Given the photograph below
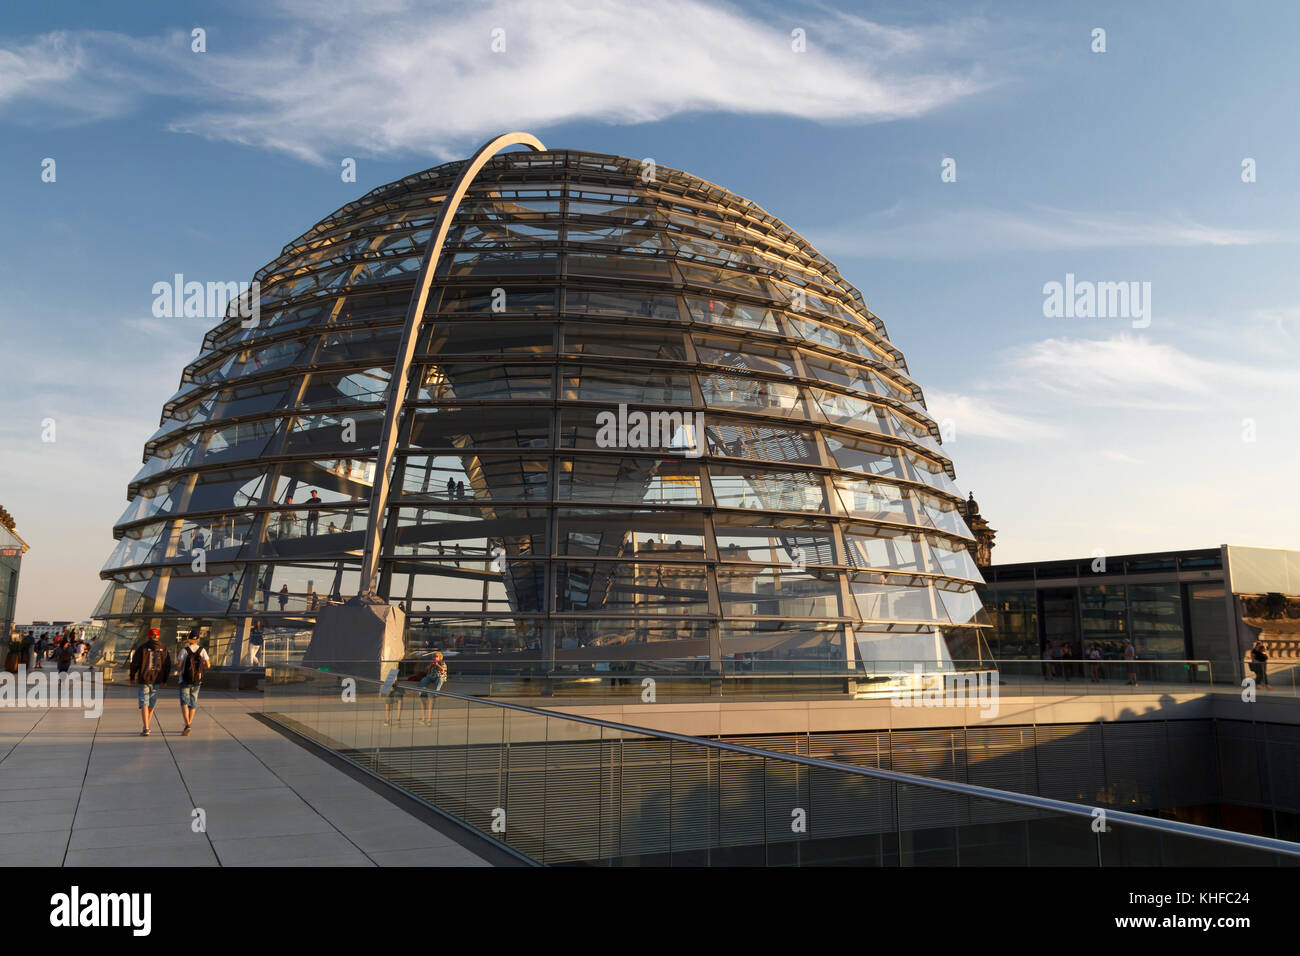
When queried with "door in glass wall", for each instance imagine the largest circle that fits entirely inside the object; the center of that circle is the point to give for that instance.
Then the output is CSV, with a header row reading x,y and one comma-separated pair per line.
x,y
1156,621
1015,613
1104,615
1060,619
1211,636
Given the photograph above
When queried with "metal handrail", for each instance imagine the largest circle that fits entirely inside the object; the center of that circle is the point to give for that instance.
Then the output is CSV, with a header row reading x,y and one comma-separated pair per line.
x,y
1172,827
836,667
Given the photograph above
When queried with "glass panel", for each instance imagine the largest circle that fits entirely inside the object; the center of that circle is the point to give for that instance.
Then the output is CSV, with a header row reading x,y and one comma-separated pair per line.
x,y
778,592
597,638
850,410
751,357
1157,621
886,549
332,389
867,457
518,299
945,514
631,386
633,480
595,264
767,490
630,534
453,428
456,338
954,558
879,500
630,587
763,539
735,314
1016,619
1104,612
472,382
744,393
448,536
602,302
745,642
624,342
761,442
894,602
962,605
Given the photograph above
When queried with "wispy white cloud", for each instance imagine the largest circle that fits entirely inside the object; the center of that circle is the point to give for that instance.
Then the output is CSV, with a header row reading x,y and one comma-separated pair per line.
x,y
67,76
1120,456
970,231
424,77
33,69
981,417
1132,370
1059,387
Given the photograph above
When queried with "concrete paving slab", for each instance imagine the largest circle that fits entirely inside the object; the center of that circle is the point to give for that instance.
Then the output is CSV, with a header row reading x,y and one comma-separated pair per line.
x,y
93,792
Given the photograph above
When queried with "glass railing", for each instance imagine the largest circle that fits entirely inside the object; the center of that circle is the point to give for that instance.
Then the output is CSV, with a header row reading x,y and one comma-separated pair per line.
x,y
560,789
699,678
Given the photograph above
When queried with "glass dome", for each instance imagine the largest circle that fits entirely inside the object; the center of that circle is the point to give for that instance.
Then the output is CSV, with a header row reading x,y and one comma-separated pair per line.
x,y
645,420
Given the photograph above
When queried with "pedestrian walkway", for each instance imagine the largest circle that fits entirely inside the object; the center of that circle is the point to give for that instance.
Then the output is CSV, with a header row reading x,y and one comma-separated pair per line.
x,y
78,791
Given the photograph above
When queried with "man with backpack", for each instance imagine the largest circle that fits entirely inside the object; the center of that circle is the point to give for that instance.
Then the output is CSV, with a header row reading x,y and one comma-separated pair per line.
x,y
66,655
192,664
150,665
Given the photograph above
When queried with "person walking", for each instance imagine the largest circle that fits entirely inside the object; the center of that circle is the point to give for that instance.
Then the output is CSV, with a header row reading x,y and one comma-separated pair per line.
x,y
392,695
151,665
433,678
1130,658
66,654
193,662
1259,663
255,644
284,596
1094,655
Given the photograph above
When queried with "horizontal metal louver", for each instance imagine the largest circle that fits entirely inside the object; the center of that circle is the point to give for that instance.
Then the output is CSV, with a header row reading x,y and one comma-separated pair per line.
x,y
1069,762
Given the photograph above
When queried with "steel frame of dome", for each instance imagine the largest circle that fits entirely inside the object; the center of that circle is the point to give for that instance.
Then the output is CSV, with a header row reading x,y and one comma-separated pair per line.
x,y
819,522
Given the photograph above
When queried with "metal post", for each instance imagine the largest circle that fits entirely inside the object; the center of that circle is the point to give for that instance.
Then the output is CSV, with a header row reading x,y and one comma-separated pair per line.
x,y
398,384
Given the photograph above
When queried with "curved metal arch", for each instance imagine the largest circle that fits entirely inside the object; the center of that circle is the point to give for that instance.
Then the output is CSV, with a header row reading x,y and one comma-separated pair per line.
x,y
399,385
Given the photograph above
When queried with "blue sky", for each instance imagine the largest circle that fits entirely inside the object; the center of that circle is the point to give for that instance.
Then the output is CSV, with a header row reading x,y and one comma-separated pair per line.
x,y
1076,434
